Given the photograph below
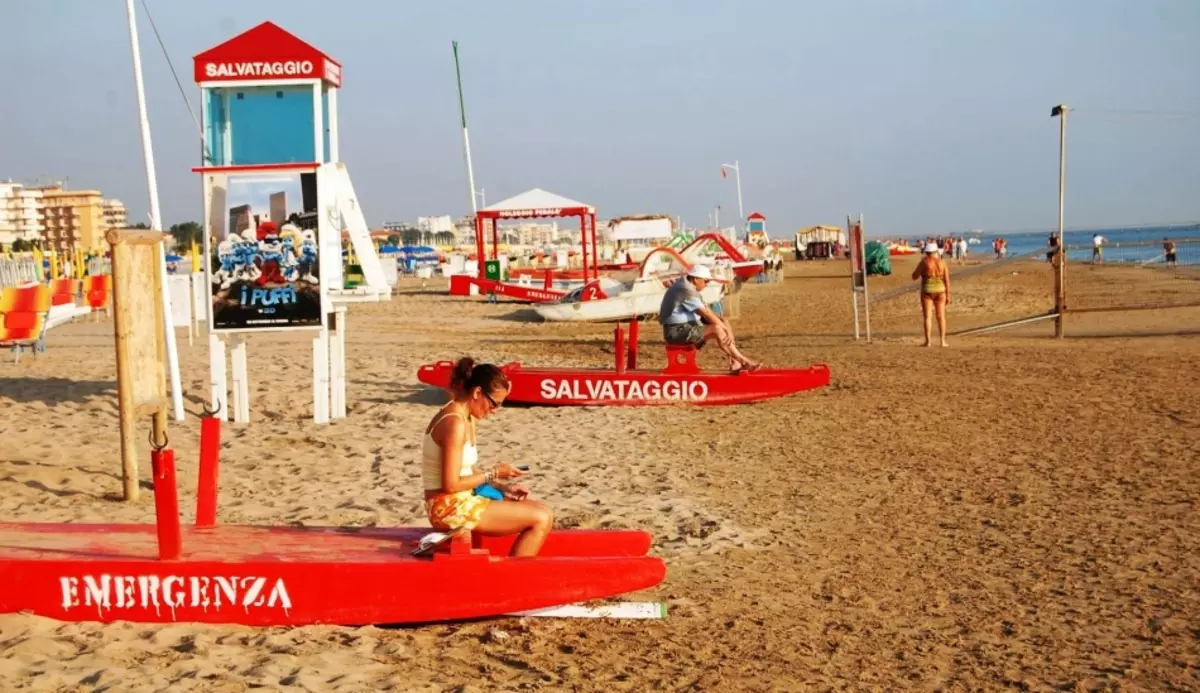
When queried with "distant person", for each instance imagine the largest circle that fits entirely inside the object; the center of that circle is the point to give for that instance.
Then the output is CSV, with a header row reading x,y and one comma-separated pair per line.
x,y
934,275
1097,249
685,318
1169,252
1053,244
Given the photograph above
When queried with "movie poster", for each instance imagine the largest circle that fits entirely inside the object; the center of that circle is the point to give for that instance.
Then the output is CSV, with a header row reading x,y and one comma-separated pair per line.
x,y
265,270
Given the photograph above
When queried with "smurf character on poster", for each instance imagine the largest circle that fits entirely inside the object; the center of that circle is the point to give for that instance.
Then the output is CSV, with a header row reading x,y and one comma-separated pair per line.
x,y
264,276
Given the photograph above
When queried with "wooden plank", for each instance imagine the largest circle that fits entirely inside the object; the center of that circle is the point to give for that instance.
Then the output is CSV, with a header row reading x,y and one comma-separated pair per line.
x,y
140,342
650,610
132,237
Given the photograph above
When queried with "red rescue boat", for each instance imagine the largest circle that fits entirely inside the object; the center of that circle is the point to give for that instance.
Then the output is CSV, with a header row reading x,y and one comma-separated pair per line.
x,y
291,576
682,381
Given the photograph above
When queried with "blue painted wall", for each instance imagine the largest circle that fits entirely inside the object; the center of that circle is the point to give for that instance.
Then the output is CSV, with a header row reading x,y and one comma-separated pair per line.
x,y
270,125
214,117
325,120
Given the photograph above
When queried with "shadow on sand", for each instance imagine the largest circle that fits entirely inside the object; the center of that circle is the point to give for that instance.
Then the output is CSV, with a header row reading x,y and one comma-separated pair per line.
x,y
54,391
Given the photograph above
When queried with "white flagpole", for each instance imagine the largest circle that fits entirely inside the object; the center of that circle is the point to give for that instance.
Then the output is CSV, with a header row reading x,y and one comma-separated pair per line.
x,y
156,215
462,109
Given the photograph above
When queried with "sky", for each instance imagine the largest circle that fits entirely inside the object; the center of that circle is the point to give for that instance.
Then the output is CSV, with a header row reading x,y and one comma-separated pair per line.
x,y
925,116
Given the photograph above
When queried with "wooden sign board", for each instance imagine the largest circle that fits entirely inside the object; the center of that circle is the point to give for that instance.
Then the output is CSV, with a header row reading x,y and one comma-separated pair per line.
x,y
141,341
858,262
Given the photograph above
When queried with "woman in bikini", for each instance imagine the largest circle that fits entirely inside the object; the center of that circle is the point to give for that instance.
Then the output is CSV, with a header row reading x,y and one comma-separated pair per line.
x,y
448,466
935,291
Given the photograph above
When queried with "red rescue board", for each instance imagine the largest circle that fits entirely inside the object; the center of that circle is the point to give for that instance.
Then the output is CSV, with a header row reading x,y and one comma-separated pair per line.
x,y
460,285
276,576
682,381
588,387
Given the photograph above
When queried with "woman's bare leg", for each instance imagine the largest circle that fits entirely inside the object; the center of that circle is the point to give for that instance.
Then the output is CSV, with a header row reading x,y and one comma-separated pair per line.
x,y
531,519
941,318
927,316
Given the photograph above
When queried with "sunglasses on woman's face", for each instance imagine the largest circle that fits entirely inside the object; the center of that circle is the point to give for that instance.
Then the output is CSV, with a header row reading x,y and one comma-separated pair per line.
x,y
495,405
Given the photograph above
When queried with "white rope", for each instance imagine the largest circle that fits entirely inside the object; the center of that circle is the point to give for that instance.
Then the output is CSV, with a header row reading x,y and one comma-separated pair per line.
x,y
178,84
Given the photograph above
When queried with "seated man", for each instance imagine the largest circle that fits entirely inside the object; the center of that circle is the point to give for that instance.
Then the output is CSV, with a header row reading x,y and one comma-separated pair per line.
x,y
687,320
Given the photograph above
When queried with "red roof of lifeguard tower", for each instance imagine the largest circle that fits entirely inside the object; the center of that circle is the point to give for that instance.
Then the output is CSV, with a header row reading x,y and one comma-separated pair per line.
x,y
756,215
265,53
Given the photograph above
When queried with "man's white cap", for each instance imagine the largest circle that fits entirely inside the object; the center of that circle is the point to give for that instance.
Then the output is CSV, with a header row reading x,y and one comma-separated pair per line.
x,y
700,272
931,247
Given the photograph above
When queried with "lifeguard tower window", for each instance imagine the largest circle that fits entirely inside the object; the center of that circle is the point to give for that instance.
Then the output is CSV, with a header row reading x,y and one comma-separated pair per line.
x,y
250,126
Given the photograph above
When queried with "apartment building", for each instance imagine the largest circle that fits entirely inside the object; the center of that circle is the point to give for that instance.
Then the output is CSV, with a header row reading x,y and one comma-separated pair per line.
x,y
115,216
20,213
73,218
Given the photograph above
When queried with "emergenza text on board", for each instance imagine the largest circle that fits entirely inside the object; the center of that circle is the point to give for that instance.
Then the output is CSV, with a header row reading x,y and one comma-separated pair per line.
x,y
102,592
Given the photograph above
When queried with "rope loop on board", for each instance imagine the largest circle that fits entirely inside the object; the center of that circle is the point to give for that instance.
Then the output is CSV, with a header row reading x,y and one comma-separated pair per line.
x,y
210,413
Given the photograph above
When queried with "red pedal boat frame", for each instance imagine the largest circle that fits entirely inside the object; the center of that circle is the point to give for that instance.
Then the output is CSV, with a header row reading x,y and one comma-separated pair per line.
x,y
682,381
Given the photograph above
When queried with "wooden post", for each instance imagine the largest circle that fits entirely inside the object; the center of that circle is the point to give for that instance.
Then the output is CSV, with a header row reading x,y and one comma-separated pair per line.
x,y
1060,269
141,342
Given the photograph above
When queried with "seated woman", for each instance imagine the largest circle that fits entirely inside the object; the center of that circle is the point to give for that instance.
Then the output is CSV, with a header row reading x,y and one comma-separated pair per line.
x,y
449,457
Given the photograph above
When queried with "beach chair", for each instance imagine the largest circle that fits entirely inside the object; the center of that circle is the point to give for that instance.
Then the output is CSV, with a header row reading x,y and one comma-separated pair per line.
x,y
23,313
63,308
97,290
64,291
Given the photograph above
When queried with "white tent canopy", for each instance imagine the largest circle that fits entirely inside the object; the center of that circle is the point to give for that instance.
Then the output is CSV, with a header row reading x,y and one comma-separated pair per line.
x,y
642,229
537,199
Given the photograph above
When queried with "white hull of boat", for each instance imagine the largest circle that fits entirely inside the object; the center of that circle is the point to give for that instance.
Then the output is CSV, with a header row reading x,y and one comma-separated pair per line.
x,y
643,300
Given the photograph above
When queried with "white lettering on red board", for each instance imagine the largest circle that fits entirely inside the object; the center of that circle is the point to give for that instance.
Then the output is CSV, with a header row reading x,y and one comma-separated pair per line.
x,y
333,72
524,291
543,212
278,68
620,390
173,592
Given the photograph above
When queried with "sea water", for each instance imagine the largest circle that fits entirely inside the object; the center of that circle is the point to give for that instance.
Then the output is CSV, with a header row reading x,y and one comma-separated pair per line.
x,y
1128,244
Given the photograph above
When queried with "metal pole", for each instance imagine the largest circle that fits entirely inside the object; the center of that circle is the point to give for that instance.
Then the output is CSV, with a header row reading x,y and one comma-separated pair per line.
x,y
854,298
156,215
1060,290
862,253
462,109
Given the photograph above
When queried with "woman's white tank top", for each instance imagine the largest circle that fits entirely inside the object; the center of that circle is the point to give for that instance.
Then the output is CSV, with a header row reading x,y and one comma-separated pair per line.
x,y
431,457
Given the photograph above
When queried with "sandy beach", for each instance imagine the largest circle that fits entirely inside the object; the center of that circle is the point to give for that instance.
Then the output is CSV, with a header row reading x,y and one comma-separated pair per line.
x,y
1011,512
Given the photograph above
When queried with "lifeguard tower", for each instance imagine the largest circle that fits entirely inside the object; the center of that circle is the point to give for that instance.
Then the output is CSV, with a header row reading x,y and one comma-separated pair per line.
x,y
277,202
756,229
